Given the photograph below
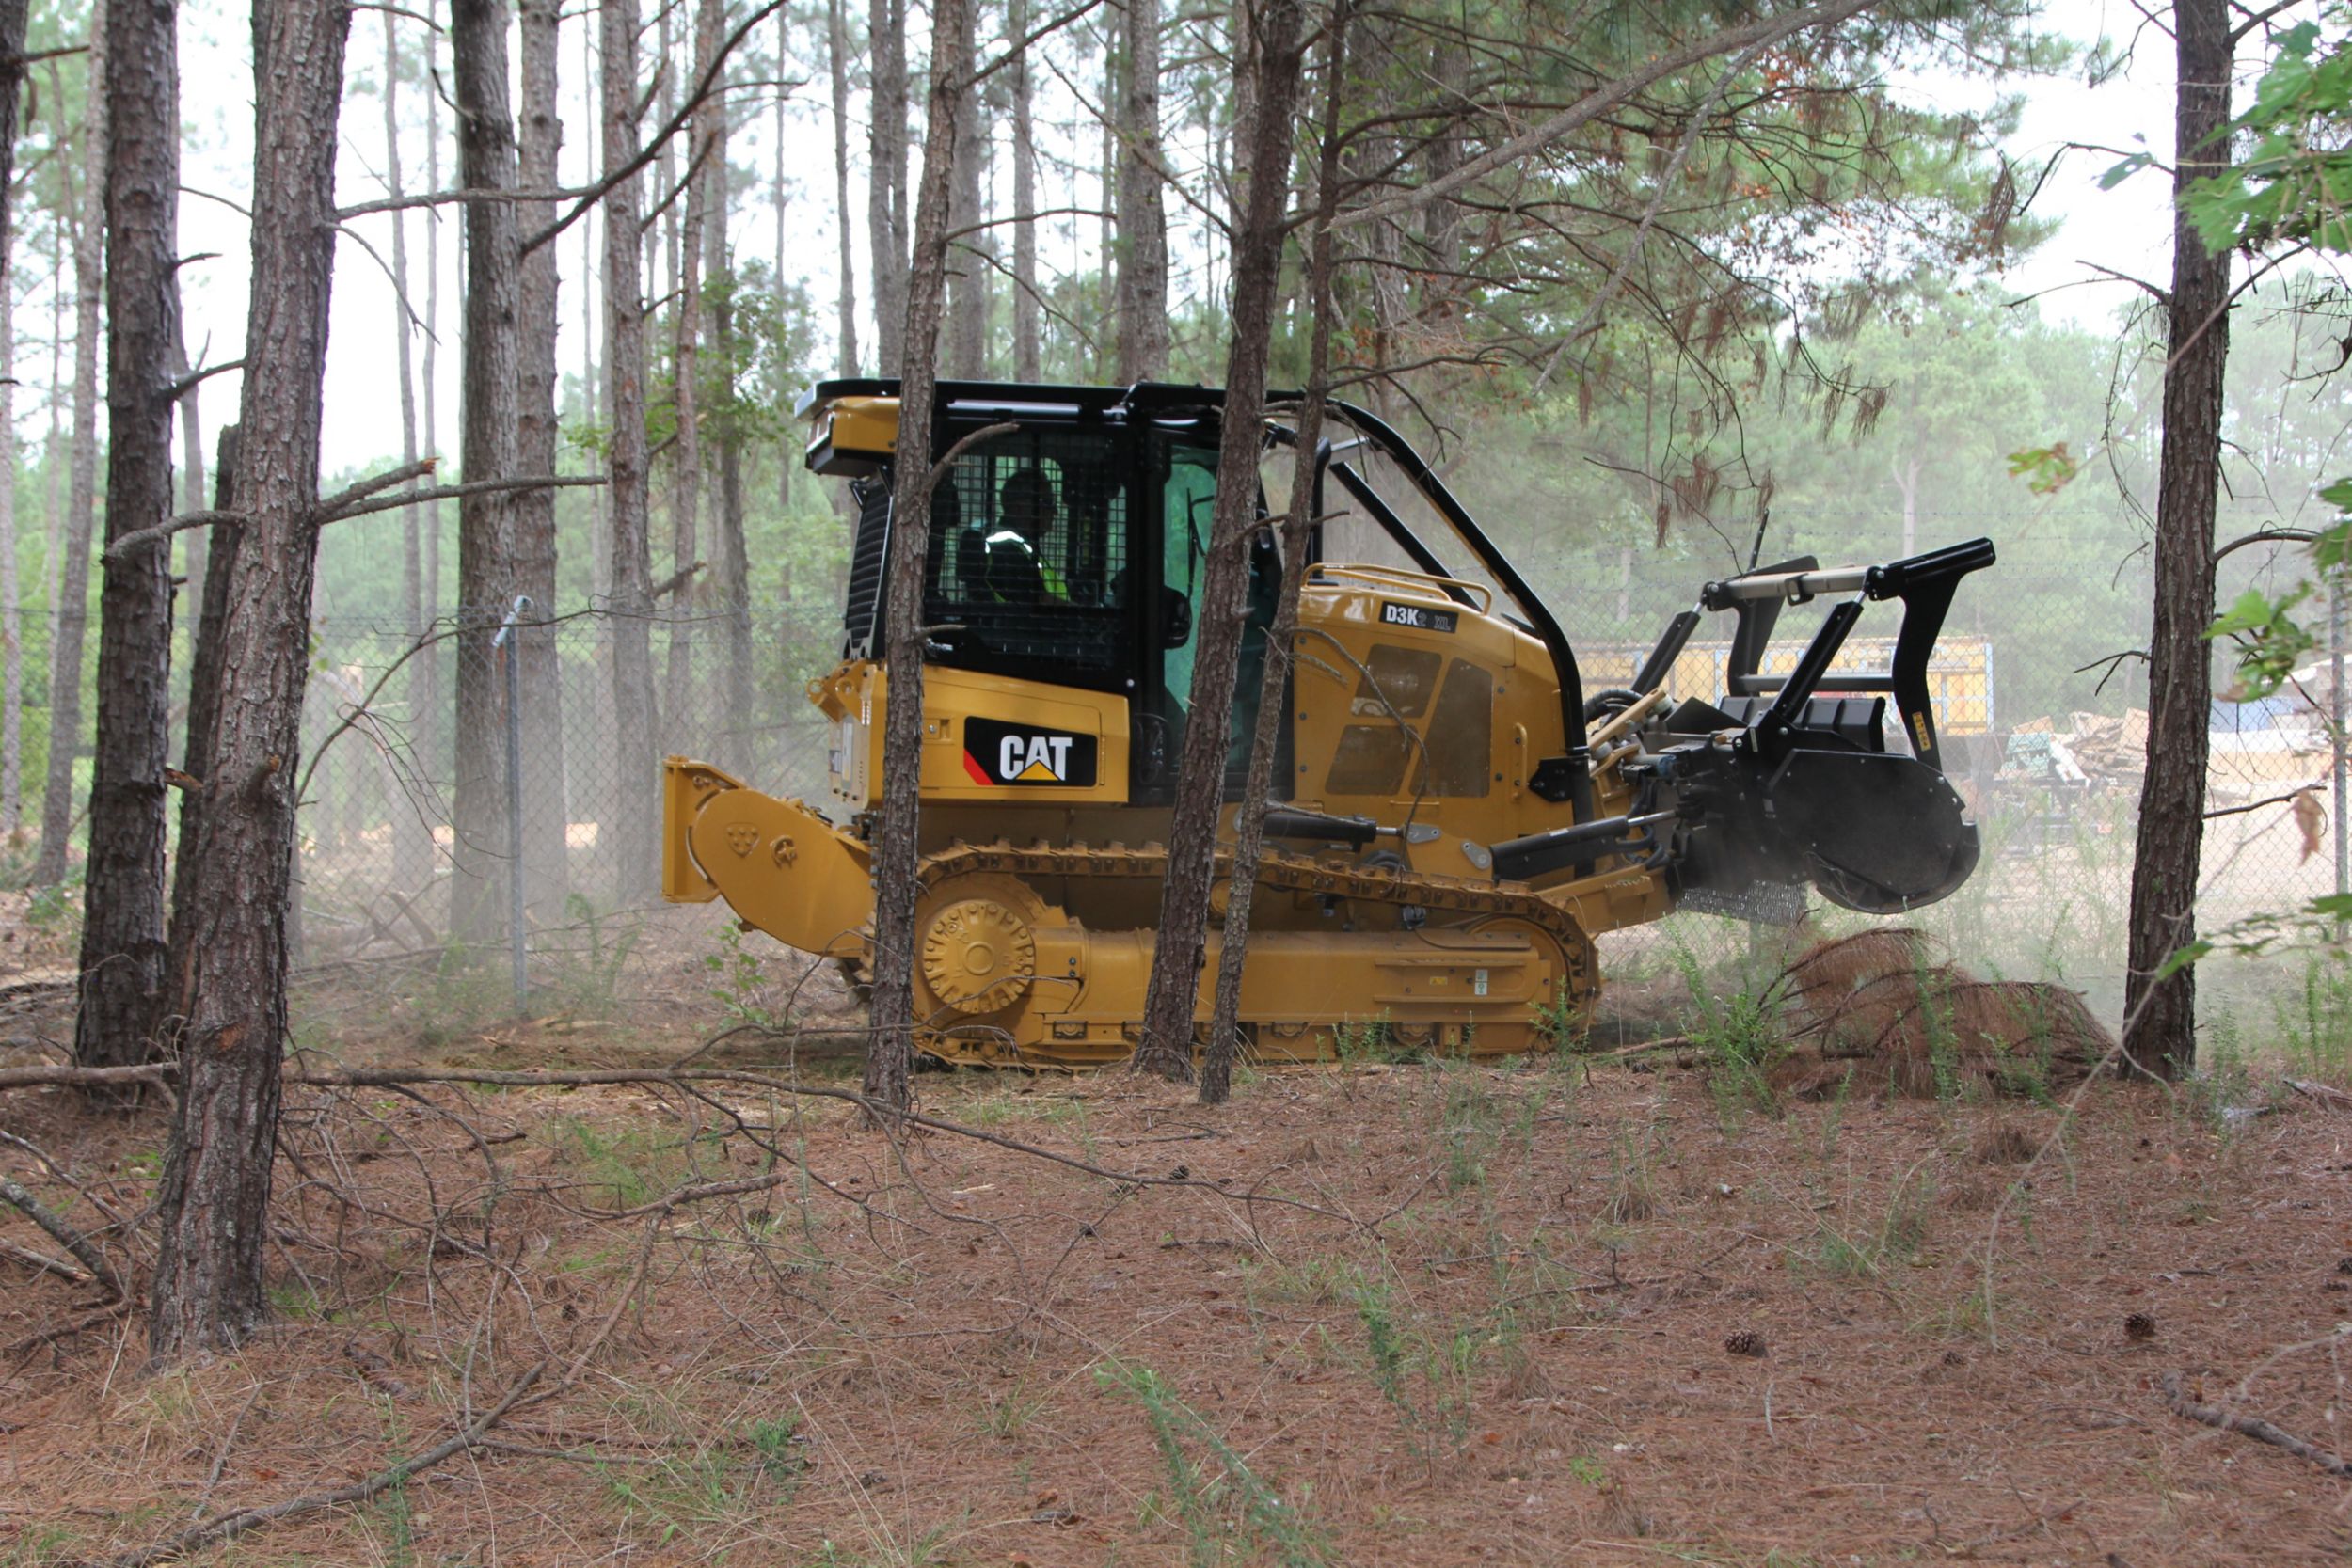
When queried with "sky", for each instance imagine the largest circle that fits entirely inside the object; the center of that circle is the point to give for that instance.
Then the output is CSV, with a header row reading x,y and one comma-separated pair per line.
x,y
2129,228
2126,229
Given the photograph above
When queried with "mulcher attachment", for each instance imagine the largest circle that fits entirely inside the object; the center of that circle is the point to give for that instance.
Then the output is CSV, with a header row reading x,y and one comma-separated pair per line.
x,y
1790,781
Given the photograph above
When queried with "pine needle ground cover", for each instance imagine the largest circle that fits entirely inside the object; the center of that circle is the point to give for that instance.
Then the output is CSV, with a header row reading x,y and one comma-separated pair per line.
x,y
1418,1313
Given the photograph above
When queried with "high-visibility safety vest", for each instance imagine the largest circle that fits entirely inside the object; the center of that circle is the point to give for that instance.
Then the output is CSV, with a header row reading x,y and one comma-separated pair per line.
x,y
1052,578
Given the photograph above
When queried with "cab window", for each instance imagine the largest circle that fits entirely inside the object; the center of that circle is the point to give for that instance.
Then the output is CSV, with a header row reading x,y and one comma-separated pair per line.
x,y
1028,567
1187,494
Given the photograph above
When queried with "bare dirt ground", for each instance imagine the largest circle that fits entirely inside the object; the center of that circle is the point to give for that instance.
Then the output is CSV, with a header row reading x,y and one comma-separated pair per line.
x,y
1411,1315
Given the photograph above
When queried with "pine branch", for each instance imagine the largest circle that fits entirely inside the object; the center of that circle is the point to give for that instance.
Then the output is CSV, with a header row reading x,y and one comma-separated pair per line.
x,y
2177,1401
646,154
66,1237
230,1526
1764,30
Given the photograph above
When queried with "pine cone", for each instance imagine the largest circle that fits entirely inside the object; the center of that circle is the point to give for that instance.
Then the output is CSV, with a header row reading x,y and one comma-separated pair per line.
x,y
1747,1341
2140,1325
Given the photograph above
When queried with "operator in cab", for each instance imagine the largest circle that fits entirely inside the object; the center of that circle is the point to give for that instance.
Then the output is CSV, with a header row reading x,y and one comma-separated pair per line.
x,y
1017,573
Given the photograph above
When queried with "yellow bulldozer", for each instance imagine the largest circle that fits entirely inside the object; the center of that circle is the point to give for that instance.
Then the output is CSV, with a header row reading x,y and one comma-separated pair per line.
x,y
1456,818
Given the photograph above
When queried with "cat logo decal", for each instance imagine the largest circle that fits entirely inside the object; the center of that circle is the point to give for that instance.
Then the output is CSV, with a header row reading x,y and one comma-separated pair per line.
x,y
997,754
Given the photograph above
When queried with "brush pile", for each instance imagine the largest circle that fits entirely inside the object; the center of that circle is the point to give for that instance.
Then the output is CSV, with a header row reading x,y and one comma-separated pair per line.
x,y
1878,1013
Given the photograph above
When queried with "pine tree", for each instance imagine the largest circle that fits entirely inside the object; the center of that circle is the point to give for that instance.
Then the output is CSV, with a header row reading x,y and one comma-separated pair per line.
x,y
122,925
213,1201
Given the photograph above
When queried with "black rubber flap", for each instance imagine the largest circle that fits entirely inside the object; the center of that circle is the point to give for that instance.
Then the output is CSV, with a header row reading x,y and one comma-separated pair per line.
x,y
1884,833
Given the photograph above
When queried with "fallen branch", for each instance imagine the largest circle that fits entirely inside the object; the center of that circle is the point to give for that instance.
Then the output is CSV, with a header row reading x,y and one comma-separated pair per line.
x,y
85,1077
51,1165
230,1526
2177,1401
66,1330
2320,1094
680,1079
43,1263
220,1455
66,1237
1667,1042
2042,1521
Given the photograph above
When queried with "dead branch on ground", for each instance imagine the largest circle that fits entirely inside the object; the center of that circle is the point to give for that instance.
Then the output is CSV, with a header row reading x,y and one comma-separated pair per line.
x,y
42,1263
680,1079
66,1235
2176,1400
230,1526
2319,1094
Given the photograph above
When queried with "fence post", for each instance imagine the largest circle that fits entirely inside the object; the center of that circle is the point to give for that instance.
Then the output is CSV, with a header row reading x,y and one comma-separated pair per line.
x,y
508,646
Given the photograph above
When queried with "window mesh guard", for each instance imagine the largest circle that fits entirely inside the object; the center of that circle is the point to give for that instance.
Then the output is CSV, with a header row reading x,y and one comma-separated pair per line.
x,y
1029,553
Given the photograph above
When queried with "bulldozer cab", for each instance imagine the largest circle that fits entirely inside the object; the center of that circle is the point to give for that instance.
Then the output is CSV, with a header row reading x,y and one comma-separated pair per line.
x,y
1069,552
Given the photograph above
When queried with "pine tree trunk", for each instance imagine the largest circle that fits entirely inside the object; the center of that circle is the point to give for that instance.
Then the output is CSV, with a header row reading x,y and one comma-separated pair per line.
x,y
489,448
1243,130
71,598
658,286
428,693
1142,217
1217,1068
673,203
13,15
1442,217
838,59
412,834
890,1054
687,724
541,677
886,186
731,568
1382,241
53,507
204,728
1027,316
967,255
11,620
733,591
591,389
196,542
2161,1017
1107,349
123,915
635,815
1174,993
13,18
213,1201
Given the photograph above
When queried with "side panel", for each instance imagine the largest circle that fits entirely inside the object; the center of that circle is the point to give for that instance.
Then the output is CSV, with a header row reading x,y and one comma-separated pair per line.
x,y
985,738
1409,707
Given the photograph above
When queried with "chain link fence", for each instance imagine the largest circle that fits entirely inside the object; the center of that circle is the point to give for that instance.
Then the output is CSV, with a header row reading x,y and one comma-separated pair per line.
x,y
539,810
2041,699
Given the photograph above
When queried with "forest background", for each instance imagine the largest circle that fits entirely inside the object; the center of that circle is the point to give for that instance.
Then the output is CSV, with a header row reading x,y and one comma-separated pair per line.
x,y
1849,367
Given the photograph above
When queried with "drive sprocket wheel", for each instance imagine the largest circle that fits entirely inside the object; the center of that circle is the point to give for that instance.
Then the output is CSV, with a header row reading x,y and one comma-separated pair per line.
x,y
978,951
